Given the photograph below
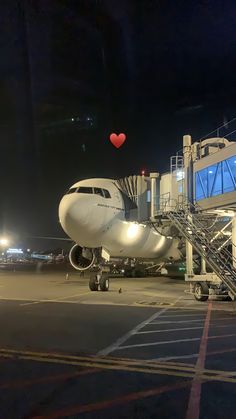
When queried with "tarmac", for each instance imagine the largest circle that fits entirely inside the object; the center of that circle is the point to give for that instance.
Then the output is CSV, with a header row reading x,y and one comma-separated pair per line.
x,y
145,349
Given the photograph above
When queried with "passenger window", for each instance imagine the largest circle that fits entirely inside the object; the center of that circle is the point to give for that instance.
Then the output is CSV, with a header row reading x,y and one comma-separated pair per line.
x,y
85,189
106,193
98,191
71,190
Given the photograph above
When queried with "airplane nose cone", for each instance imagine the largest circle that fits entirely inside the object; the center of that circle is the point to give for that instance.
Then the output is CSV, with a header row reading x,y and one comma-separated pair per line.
x,y
73,214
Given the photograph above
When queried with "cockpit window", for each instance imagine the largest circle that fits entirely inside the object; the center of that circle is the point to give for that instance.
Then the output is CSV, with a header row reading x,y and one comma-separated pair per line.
x,y
106,193
71,190
85,189
98,191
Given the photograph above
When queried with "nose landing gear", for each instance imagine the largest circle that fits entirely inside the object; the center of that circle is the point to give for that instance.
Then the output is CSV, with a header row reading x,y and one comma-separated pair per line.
x,y
99,280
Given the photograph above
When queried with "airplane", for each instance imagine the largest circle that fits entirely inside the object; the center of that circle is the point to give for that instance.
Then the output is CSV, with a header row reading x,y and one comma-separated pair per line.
x,y
96,215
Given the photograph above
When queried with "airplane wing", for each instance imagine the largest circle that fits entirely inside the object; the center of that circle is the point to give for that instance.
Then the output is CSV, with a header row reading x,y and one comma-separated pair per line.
x,y
51,238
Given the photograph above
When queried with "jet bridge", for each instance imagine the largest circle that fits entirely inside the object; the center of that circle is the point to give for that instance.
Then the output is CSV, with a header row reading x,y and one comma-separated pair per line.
x,y
196,201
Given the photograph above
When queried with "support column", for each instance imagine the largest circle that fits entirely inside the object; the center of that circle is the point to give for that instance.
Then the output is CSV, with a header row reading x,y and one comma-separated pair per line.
x,y
189,253
153,177
234,240
189,258
187,152
203,266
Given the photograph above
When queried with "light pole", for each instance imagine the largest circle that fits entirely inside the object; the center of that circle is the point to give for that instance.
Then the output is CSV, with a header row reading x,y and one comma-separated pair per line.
x,y
4,242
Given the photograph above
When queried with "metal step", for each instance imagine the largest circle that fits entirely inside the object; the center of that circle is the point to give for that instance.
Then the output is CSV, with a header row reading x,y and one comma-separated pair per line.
x,y
221,261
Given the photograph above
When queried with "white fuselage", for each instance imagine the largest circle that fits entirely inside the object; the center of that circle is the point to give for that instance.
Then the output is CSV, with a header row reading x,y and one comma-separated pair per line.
x,y
93,221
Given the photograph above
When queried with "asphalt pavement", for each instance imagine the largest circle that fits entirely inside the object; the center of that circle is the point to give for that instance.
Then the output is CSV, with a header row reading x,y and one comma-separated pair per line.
x,y
147,351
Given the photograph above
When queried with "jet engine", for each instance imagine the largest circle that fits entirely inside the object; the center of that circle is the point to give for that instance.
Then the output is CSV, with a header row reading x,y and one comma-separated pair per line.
x,y
81,258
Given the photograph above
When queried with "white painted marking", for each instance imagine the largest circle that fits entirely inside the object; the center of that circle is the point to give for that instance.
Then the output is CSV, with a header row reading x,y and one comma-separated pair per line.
x,y
177,321
222,336
169,358
116,345
182,328
169,330
187,310
189,321
183,315
164,342
167,342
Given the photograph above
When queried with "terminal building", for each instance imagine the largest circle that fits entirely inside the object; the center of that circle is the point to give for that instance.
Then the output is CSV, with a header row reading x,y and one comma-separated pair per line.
x,y
195,203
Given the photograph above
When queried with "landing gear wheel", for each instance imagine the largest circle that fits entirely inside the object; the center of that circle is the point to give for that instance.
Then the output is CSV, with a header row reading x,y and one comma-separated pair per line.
x,y
104,283
93,283
201,291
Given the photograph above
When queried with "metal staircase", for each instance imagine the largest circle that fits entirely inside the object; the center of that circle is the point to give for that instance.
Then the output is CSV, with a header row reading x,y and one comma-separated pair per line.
x,y
210,245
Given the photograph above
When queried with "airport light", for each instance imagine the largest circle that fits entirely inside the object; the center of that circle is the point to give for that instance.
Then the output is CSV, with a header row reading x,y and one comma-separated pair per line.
x,y
4,241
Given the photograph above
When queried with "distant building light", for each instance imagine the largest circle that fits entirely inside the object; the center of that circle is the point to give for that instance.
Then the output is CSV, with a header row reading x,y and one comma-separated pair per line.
x,y
39,256
143,172
15,251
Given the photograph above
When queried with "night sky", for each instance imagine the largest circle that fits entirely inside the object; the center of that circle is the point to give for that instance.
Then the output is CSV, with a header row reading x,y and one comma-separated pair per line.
x,y
72,72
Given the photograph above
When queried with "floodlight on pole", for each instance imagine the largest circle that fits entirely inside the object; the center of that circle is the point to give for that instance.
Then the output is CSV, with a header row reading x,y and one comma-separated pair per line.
x,y
4,241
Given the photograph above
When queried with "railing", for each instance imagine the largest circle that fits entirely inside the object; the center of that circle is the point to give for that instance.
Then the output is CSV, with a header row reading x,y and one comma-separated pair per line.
x,y
202,237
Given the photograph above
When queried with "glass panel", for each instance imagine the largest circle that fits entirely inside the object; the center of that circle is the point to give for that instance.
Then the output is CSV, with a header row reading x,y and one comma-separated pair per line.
x,y
232,165
199,194
85,189
228,183
217,187
216,179
201,184
106,193
211,178
98,191
71,190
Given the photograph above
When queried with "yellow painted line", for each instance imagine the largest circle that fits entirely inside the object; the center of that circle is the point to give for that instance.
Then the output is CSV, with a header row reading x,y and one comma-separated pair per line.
x,y
55,300
102,362
119,361
88,358
92,302
72,296
121,367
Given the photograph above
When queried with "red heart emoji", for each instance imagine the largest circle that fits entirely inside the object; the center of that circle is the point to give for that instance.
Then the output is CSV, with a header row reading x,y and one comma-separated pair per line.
x,y
117,140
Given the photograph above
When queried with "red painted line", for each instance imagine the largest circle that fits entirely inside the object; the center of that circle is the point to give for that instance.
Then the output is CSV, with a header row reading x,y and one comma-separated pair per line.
x,y
106,404
193,410
48,379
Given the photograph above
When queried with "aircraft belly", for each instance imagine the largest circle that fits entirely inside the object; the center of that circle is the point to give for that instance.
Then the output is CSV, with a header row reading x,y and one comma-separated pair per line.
x,y
134,240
